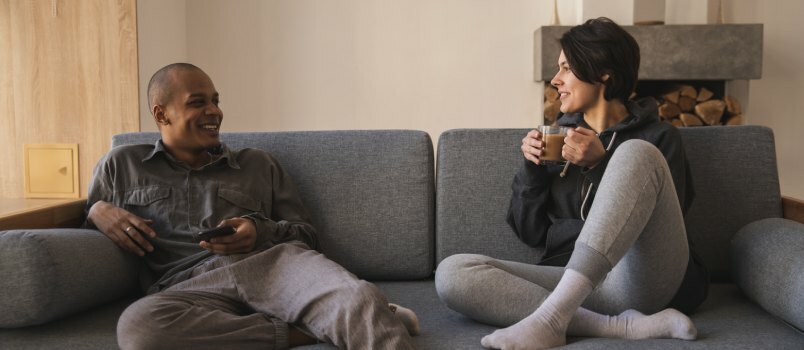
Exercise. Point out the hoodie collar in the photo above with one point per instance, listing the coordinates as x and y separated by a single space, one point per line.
640 112
226 153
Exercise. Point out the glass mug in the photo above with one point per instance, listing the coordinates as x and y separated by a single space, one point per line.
553 139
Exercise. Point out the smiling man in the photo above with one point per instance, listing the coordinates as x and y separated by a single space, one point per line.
264 286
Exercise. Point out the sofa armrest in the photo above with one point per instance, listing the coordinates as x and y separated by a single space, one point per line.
793 209
52 273
767 262
68 213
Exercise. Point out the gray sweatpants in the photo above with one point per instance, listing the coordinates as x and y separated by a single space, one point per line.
247 301
633 247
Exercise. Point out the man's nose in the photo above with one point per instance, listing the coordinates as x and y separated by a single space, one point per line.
213 109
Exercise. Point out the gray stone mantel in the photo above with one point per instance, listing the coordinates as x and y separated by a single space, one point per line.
674 52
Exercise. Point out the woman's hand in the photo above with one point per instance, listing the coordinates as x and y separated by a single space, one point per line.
582 147
124 228
242 241
532 146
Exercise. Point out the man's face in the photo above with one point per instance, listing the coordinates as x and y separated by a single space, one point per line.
192 116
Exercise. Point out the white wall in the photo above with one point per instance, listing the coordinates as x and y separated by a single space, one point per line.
430 65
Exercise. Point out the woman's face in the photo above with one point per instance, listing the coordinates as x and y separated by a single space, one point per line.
575 95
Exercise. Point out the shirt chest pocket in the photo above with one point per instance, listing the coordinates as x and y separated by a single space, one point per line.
236 202
148 202
145 196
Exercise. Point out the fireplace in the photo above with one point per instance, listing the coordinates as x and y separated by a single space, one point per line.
698 73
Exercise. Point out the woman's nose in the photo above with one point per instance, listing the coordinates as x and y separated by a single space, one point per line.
555 81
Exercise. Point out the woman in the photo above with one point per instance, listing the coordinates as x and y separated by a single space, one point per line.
610 225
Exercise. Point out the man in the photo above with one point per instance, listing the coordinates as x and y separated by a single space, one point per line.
261 287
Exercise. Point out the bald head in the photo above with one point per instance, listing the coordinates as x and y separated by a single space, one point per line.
160 87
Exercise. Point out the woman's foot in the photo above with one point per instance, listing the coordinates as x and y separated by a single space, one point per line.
547 326
668 323
532 333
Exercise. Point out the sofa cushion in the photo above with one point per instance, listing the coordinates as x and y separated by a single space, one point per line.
370 193
736 183
767 261
48 274
727 320
474 174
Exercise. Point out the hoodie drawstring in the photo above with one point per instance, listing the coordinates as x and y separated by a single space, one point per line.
586 197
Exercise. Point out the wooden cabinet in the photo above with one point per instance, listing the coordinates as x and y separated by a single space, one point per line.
68 74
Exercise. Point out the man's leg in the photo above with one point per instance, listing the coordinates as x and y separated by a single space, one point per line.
253 300
313 293
197 320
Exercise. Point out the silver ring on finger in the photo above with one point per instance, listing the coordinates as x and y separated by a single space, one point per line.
128 231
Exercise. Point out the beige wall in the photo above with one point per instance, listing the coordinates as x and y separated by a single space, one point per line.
68 78
310 65
431 65
162 39
777 100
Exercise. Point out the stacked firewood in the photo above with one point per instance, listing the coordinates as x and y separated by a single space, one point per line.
685 106
688 106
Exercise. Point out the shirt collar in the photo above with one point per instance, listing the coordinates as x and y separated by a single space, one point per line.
226 153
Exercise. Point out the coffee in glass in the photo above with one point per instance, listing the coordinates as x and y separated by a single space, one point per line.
553 139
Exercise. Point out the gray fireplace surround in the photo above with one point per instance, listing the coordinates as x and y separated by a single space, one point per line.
674 52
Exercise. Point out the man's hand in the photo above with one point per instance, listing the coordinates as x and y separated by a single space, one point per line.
532 146
242 241
583 147
122 227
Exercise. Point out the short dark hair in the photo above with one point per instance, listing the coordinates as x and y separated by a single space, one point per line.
599 47
159 91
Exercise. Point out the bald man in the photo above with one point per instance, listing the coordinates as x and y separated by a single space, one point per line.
263 286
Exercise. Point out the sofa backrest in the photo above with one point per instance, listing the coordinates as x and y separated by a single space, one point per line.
370 193
734 176
736 183
473 187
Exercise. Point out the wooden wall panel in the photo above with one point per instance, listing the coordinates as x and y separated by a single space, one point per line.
68 77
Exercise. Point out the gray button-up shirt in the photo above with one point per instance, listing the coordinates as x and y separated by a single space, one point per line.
148 182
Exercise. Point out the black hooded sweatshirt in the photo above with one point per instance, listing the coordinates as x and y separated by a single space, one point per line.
546 210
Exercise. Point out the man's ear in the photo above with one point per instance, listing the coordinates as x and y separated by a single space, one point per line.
160 117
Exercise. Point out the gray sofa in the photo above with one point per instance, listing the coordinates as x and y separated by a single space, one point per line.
387 214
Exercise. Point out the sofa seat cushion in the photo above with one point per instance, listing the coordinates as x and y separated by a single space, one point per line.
727 320
767 262
48 274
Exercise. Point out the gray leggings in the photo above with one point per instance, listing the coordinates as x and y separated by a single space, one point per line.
633 247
